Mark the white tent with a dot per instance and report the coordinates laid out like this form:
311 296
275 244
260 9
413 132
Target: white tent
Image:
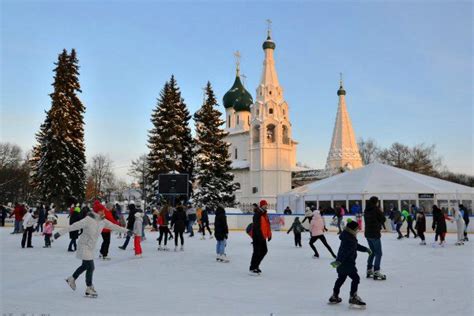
376 179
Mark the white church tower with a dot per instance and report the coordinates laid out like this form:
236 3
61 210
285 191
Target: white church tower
272 149
344 152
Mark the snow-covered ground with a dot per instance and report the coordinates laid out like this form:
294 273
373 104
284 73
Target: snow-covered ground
422 280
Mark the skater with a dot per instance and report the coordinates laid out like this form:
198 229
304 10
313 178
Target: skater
356 209
398 222
339 214
205 223
146 222
74 216
191 214
374 218
162 221
297 229
92 226
318 227
154 219
439 225
221 231
30 220
41 218
138 230
465 216
3 215
120 218
48 232
19 211
420 226
178 223
287 211
106 233
409 219
308 214
261 232
130 221
346 265
458 218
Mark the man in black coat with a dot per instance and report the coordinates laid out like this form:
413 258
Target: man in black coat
374 220
221 231
465 216
130 223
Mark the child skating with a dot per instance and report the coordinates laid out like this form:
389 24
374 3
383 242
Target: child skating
297 229
221 232
162 220
48 232
138 230
420 226
318 227
92 226
346 265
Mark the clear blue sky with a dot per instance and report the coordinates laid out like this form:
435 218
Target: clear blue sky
407 67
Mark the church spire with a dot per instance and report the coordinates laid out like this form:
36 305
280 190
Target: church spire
344 152
269 79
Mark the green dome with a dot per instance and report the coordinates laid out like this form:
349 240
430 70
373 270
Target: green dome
341 91
237 97
269 43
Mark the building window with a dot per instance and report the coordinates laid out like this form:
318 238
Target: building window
254 190
237 186
271 133
258 112
285 137
248 120
284 112
270 111
256 134
235 153
270 92
228 121
237 119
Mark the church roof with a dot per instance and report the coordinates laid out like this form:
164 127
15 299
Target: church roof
238 97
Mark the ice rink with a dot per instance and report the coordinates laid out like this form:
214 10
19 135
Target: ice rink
422 280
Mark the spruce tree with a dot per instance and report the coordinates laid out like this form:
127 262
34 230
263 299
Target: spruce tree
212 156
58 162
170 141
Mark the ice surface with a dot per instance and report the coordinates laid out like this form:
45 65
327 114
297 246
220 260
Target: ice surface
422 280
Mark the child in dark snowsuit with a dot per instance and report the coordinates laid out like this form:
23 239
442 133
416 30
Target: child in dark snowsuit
346 264
297 229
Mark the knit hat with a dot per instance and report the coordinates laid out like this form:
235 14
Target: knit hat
98 206
353 225
263 203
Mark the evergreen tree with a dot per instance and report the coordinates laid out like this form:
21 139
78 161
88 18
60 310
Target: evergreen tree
58 161
170 141
212 157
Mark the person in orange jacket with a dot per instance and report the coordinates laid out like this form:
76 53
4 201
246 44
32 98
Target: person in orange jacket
261 232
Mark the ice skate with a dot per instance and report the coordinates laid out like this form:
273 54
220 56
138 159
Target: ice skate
160 248
203 238
315 256
370 273
138 256
90 292
254 272
71 282
423 243
175 248
223 258
218 258
211 237
182 248
166 249
379 276
121 247
334 299
104 257
356 302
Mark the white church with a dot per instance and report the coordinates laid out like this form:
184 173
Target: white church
262 149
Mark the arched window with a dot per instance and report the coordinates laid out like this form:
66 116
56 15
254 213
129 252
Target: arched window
228 121
237 116
271 133
235 153
285 137
256 134
270 111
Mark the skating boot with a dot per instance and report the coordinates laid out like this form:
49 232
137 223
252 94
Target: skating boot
370 273
203 238
138 256
71 282
379 276
335 299
160 248
211 237
254 272
165 248
90 292
182 248
423 243
218 258
104 257
175 248
356 302
224 258
466 239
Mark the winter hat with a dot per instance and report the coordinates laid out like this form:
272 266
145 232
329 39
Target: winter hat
353 225
97 206
263 203
373 200
349 220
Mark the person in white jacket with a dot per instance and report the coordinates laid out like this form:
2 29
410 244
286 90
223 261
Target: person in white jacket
30 221
137 230
460 225
92 226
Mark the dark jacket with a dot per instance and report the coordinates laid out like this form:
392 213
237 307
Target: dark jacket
221 230
205 216
74 217
296 227
397 217
420 225
347 253
131 216
374 219
439 222
257 226
41 215
466 216
178 221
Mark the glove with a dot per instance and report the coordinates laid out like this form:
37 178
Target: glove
335 264
56 236
129 233
369 251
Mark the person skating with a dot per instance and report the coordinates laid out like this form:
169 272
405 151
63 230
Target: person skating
3 215
398 222
48 232
92 226
261 232
345 265
409 219
420 226
191 215
74 216
162 221
19 211
439 225
178 223
106 233
318 227
458 218
130 221
221 232
138 230
287 211
30 220
339 214
465 216
308 214
41 218
205 223
374 218
297 229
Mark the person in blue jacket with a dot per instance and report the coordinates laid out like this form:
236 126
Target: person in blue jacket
346 264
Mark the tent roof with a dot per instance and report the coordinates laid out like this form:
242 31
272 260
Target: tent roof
377 178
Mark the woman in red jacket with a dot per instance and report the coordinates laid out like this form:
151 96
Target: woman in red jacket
104 248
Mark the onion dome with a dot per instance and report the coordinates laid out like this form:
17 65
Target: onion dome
238 97
341 90
269 43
